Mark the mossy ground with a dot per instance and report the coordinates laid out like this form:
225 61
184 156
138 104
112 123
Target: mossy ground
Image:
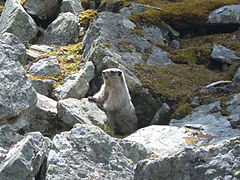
68 65
177 84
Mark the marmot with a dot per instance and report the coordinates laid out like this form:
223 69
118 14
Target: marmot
116 101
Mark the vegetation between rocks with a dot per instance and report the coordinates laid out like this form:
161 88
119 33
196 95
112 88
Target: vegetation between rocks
181 15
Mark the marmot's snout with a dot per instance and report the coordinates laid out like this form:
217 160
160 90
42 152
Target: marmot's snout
111 72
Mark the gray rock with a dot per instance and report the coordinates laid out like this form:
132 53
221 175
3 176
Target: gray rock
155 34
23 161
17 95
63 30
113 6
219 161
41 9
210 122
74 87
46 108
32 55
46 67
8 137
133 150
77 85
72 111
44 115
41 47
163 141
162 116
175 44
12 47
133 7
114 35
15 20
43 87
225 15
73 6
222 54
87 152
236 77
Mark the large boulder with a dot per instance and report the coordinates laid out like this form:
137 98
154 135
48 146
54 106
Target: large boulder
72 111
87 152
163 141
24 159
15 20
46 67
77 85
43 86
73 6
13 47
44 116
210 122
219 161
41 9
229 14
236 77
17 95
119 38
8 137
63 30
224 55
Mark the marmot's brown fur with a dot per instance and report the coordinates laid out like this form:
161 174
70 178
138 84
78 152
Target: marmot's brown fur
116 101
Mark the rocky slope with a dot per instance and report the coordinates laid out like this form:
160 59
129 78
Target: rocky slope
181 62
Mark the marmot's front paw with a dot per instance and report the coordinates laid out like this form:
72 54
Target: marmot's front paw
90 98
100 106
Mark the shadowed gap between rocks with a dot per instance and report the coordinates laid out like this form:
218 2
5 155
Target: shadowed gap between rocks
207 29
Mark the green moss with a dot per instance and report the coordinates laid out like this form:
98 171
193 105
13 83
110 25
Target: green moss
111 132
22 2
138 32
185 56
86 17
1 9
125 46
146 54
108 44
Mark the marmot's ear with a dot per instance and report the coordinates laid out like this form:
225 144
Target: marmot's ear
119 73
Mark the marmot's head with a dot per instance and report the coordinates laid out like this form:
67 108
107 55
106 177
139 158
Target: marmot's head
112 75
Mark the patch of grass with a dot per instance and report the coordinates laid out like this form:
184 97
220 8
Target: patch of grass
176 84
198 49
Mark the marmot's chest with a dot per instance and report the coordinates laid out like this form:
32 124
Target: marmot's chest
117 99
